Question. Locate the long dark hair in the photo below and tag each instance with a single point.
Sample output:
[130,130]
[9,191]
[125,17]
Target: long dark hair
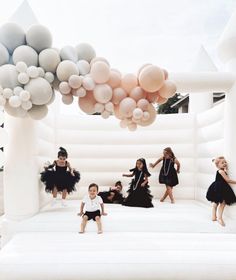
[62,153]
[144,169]
[170,152]
[118,183]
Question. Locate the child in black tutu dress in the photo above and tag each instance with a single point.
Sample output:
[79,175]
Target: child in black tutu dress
[220,192]
[60,177]
[114,195]
[168,173]
[139,193]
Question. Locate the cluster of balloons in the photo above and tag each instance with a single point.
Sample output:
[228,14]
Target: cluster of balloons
[3,139]
[30,71]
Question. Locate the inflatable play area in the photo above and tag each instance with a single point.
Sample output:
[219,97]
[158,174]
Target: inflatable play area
[53,160]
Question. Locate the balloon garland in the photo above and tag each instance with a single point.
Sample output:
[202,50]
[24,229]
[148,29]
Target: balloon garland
[31,70]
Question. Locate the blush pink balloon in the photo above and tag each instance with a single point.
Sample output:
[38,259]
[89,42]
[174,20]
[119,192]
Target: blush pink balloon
[128,82]
[161,100]
[143,104]
[142,67]
[100,72]
[153,113]
[118,95]
[67,99]
[117,112]
[127,106]
[102,93]
[165,73]
[168,89]
[115,79]
[137,93]
[87,103]
[152,97]
[151,78]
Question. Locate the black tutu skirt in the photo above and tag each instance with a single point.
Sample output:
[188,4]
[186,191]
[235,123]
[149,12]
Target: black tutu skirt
[62,180]
[140,197]
[219,192]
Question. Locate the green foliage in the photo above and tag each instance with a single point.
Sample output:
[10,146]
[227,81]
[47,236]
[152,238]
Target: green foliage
[166,107]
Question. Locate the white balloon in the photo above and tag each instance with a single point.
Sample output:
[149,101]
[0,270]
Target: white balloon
[85,51]
[69,53]
[12,36]
[40,91]
[64,88]
[102,93]
[32,72]
[4,55]
[109,107]
[24,95]
[15,101]
[2,100]
[25,54]
[39,37]
[95,59]
[21,66]
[49,60]
[9,76]
[75,81]
[81,92]
[7,93]
[65,69]
[23,78]
[83,66]
[88,83]
[26,105]
[17,90]
[41,72]
[67,99]
[137,113]
[38,112]
[99,108]
[15,112]
[49,77]
[52,98]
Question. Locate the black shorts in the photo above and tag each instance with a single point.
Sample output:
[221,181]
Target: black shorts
[92,215]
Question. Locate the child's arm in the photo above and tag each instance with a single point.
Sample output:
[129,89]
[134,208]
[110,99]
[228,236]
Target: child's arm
[144,183]
[70,169]
[103,211]
[152,165]
[128,175]
[178,165]
[81,209]
[226,177]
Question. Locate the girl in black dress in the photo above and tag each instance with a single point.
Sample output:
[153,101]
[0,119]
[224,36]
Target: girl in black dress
[139,193]
[220,192]
[168,173]
[114,195]
[60,177]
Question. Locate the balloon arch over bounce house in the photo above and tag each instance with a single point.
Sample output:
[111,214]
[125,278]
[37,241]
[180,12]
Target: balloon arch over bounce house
[32,72]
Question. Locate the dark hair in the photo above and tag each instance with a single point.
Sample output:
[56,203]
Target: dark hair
[62,153]
[118,183]
[170,152]
[93,185]
[145,169]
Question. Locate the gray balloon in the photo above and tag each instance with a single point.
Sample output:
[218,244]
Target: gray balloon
[15,112]
[4,55]
[85,51]
[39,37]
[12,36]
[25,54]
[8,76]
[69,53]
[38,112]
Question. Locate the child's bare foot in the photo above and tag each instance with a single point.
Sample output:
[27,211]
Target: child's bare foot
[221,222]
[81,231]
[99,231]
[214,218]
[172,201]
[162,200]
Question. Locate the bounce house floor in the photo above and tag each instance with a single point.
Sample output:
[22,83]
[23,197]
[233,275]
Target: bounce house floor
[165,242]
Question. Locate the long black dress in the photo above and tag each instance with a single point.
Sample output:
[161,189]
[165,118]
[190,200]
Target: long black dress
[59,177]
[220,191]
[168,174]
[138,196]
[117,198]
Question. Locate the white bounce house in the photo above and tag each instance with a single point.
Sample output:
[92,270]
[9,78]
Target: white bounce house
[167,242]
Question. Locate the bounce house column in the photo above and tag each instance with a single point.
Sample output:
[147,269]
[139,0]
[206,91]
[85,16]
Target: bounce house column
[21,195]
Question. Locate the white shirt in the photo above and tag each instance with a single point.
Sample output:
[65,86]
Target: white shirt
[92,205]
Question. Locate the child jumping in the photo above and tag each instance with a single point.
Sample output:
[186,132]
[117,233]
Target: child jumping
[92,203]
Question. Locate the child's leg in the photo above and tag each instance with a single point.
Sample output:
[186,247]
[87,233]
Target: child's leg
[164,196]
[64,193]
[220,213]
[83,223]
[99,224]
[170,193]
[54,192]
[214,210]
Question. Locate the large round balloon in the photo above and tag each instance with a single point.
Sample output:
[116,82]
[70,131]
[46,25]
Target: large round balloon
[15,112]
[114,79]
[4,55]
[12,36]
[49,60]
[118,95]
[167,90]
[87,103]
[39,37]
[40,91]
[65,69]
[127,106]
[100,72]
[103,93]
[137,93]
[38,112]
[85,51]
[25,54]
[9,76]
[83,66]
[69,53]
[151,78]
[129,81]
